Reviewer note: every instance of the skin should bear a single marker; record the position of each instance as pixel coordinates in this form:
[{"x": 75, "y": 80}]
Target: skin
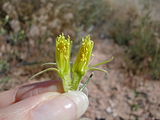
[{"x": 42, "y": 101}]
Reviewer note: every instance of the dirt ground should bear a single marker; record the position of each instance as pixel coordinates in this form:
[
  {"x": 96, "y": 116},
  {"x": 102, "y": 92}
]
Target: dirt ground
[{"x": 116, "y": 96}]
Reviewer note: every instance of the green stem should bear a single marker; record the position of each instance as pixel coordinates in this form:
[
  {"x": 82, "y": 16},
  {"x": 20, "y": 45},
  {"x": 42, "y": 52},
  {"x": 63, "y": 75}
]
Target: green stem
[
  {"x": 67, "y": 82},
  {"x": 76, "y": 81}
]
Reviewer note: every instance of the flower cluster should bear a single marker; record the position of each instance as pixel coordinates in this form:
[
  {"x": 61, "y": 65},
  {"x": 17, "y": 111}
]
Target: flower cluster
[{"x": 73, "y": 73}]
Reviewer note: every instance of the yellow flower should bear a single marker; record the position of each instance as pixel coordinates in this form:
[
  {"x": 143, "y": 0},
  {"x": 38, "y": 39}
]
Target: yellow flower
[
  {"x": 80, "y": 67},
  {"x": 63, "y": 51},
  {"x": 71, "y": 77}
]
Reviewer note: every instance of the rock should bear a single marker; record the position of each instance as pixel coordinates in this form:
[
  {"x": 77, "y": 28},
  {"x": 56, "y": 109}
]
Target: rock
[
  {"x": 15, "y": 24},
  {"x": 109, "y": 110},
  {"x": 68, "y": 17},
  {"x": 115, "y": 114},
  {"x": 10, "y": 10},
  {"x": 34, "y": 31},
  {"x": 55, "y": 24},
  {"x": 112, "y": 103}
]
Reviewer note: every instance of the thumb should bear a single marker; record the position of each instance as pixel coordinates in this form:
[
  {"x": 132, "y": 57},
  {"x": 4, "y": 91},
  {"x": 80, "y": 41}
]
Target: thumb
[{"x": 48, "y": 106}]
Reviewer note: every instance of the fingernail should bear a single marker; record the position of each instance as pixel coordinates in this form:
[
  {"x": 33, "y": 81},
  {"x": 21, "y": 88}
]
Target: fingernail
[
  {"x": 81, "y": 101},
  {"x": 68, "y": 106},
  {"x": 38, "y": 88}
]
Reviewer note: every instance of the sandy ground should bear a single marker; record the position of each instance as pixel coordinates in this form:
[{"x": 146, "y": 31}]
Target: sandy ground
[{"x": 110, "y": 96}]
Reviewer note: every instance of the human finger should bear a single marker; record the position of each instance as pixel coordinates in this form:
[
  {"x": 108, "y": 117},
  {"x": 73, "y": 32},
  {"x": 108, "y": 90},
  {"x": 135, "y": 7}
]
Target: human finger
[
  {"x": 14, "y": 95},
  {"x": 48, "y": 106}
]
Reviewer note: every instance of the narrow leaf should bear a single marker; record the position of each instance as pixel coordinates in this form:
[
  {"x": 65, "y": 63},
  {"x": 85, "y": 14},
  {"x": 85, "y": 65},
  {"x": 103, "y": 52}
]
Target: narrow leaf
[
  {"x": 86, "y": 82},
  {"x": 43, "y": 71},
  {"x": 107, "y": 61},
  {"x": 49, "y": 64},
  {"x": 97, "y": 69}
]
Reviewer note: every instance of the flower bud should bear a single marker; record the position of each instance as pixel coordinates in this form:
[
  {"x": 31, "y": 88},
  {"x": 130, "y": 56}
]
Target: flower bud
[
  {"x": 63, "y": 51},
  {"x": 80, "y": 66}
]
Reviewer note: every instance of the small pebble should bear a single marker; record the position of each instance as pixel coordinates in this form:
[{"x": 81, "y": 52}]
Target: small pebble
[{"x": 109, "y": 110}]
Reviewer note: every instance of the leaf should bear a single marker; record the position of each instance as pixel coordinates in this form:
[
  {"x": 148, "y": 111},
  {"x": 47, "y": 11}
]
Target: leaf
[
  {"x": 97, "y": 69},
  {"x": 107, "y": 61},
  {"x": 49, "y": 64},
  {"x": 43, "y": 71},
  {"x": 86, "y": 83}
]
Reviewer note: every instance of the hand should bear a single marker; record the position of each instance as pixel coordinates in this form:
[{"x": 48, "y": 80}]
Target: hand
[{"x": 42, "y": 101}]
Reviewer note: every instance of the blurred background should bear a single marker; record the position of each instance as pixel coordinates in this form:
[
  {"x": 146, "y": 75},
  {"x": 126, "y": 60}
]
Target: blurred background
[{"x": 129, "y": 30}]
